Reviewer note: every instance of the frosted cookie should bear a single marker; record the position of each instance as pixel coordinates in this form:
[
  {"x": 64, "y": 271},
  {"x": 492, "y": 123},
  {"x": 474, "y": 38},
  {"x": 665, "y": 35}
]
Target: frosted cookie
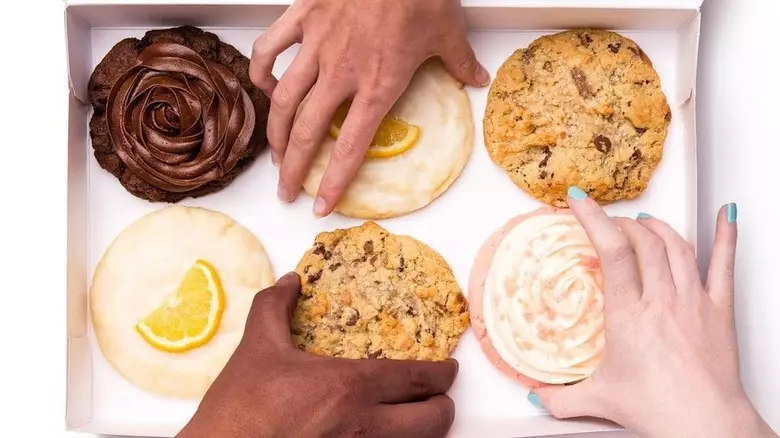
[
  {"x": 580, "y": 108},
  {"x": 419, "y": 151},
  {"x": 536, "y": 299},
  {"x": 367, "y": 293},
  {"x": 175, "y": 114},
  {"x": 170, "y": 296}
]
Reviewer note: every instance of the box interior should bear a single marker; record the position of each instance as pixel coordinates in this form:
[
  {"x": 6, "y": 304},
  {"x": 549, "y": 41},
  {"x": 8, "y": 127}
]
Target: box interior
[{"x": 489, "y": 404}]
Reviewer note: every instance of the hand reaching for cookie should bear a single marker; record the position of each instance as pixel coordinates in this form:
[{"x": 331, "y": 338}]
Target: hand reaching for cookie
[
  {"x": 269, "y": 388},
  {"x": 363, "y": 51},
  {"x": 671, "y": 366}
]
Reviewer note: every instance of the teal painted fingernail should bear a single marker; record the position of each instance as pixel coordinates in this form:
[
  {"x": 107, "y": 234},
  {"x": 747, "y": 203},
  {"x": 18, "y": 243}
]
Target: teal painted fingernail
[
  {"x": 643, "y": 216},
  {"x": 534, "y": 400},
  {"x": 731, "y": 212},
  {"x": 576, "y": 193}
]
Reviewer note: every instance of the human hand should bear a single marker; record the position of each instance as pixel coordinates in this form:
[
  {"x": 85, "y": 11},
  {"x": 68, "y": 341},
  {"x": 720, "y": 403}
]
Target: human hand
[
  {"x": 670, "y": 368},
  {"x": 269, "y": 388},
  {"x": 365, "y": 51}
]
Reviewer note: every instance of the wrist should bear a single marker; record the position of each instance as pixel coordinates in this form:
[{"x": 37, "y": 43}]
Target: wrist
[
  {"x": 744, "y": 420},
  {"x": 726, "y": 418},
  {"x": 713, "y": 416}
]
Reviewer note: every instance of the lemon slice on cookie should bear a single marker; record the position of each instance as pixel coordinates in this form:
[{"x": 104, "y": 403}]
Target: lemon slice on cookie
[
  {"x": 190, "y": 316},
  {"x": 393, "y": 137}
]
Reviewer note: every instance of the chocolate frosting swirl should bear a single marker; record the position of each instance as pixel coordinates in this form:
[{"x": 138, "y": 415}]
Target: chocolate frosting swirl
[{"x": 178, "y": 120}]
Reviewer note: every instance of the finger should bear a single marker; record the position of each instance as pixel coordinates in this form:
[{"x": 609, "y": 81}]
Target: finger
[
  {"x": 618, "y": 262},
  {"x": 309, "y": 129},
  {"x": 682, "y": 257},
  {"x": 460, "y": 60},
  {"x": 285, "y": 32},
  {"x": 401, "y": 381},
  {"x": 571, "y": 401},
  {"x": 364, "y": 117},
  {"x": 720, "y": 277},
  {"x": 651, "y": 258},
  {"x": 271, "y": 312},
  {"x": 431, "y": 418},
  {"x": 286, "y": 98}
]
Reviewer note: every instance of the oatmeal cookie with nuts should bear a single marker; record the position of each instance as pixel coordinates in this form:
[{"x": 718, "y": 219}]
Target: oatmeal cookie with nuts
[
  {"x": 367, "y": 293},
  {"x": 582, "y": 107}
]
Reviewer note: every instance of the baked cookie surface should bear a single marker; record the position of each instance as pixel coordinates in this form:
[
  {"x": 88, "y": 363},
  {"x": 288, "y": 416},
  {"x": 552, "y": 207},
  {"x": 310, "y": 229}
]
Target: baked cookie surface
[
  {"x": 367, "y": 293},
  {"x": 175, "y": 114},
  {"x": 536, "y": 299},
  {"x": 389, "y": 187},
  {"x": 582, "y": 107},
  {"x": 141, "y": 268}
]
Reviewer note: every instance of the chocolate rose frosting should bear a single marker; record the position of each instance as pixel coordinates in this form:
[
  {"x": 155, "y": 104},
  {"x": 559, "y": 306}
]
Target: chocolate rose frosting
[{"x": 177, "y": 120}]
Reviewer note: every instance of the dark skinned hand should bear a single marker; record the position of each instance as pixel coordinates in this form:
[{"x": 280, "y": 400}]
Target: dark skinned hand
[{"x": 270, "y": 388}]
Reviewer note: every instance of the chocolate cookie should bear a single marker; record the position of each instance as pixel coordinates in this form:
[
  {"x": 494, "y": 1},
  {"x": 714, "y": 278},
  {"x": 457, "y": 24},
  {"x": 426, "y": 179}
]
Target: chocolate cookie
[
  {"x": 175, "y": 114},
  {"x": 371, "y": 294},
  {"x": 582, "y": 107}
]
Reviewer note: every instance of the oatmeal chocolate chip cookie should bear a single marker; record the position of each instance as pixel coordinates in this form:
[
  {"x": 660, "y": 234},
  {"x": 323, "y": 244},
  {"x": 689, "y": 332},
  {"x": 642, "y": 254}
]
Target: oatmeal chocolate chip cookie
[
  {"x": 175, "y": 114},
  {"x": 582, "y": 107},
  {"x": 367, "y": 293}
]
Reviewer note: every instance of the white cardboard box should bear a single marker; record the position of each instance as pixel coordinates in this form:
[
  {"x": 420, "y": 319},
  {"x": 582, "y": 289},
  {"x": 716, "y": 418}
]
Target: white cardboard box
[{"x": 488, "y": 404}]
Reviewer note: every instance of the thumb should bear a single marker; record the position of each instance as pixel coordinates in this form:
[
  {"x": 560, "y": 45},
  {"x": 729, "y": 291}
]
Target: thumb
[
  {"x": 271, "y": 312},
  {"x": 571, "y": 401},
  {"x": 460, "y": 60}
]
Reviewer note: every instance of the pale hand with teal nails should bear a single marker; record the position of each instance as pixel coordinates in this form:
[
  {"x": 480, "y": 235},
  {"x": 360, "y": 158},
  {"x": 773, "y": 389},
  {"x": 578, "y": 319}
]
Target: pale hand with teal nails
[{"x": 670, "y": 367}]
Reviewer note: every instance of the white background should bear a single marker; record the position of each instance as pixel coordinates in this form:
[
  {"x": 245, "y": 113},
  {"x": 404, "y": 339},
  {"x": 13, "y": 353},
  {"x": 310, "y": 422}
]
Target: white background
[{"x": 739, "y": 148}]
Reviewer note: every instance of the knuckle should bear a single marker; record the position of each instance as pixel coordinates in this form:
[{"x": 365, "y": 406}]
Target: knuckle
[
  {"x": 281, "y": 98},
  {"x": 370, "y": 99},
  {"x": 346, "y": 147},
  {"x": 417, "y": 384},
  {"x": 344, "y": 384},
  {"x": 379, "y": 91},
  {"x": 339, "y": 69},
  {"x": 467, "y": 61},
  {"x": 557, "y": 407},
  {"x": 260, "y": 47},
  {"x": 261, "y": 301},
  {"x": 443, "y": 414},
  {"x": 303, "y": 133},
  {"x": 655, "y": 245},
  {"x": 618, "y": 250},
  {"x": 383, "y": 85},
  {"x": 382, "y": 90},
  {"x": 685, "y": 251}
]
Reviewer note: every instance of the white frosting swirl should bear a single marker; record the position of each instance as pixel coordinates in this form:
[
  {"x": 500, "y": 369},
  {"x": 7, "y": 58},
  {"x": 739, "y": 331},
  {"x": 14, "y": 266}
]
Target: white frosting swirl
[{"x": 544, "y": 301}]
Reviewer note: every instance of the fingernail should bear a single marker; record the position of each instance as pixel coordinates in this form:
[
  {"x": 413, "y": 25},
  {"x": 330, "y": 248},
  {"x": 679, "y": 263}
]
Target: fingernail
[
  {"x": 731, "y": 212},
  {"x": 320, "y": 207},
  {"x": 483, "y": 77},
  {"x": 282, "y": 193},
  {"x": 275, "y": 158},
  {"x": 576, "y": 193},
  {"x": 643, "y": 216},
  {"x": 535, "y": 400}
]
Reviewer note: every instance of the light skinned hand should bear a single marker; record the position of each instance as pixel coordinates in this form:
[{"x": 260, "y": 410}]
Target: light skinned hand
[
  {"x": 365, "y": 51},
  {"x": 270, "y": 388},
  {"x": 671, "y": 367}
]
